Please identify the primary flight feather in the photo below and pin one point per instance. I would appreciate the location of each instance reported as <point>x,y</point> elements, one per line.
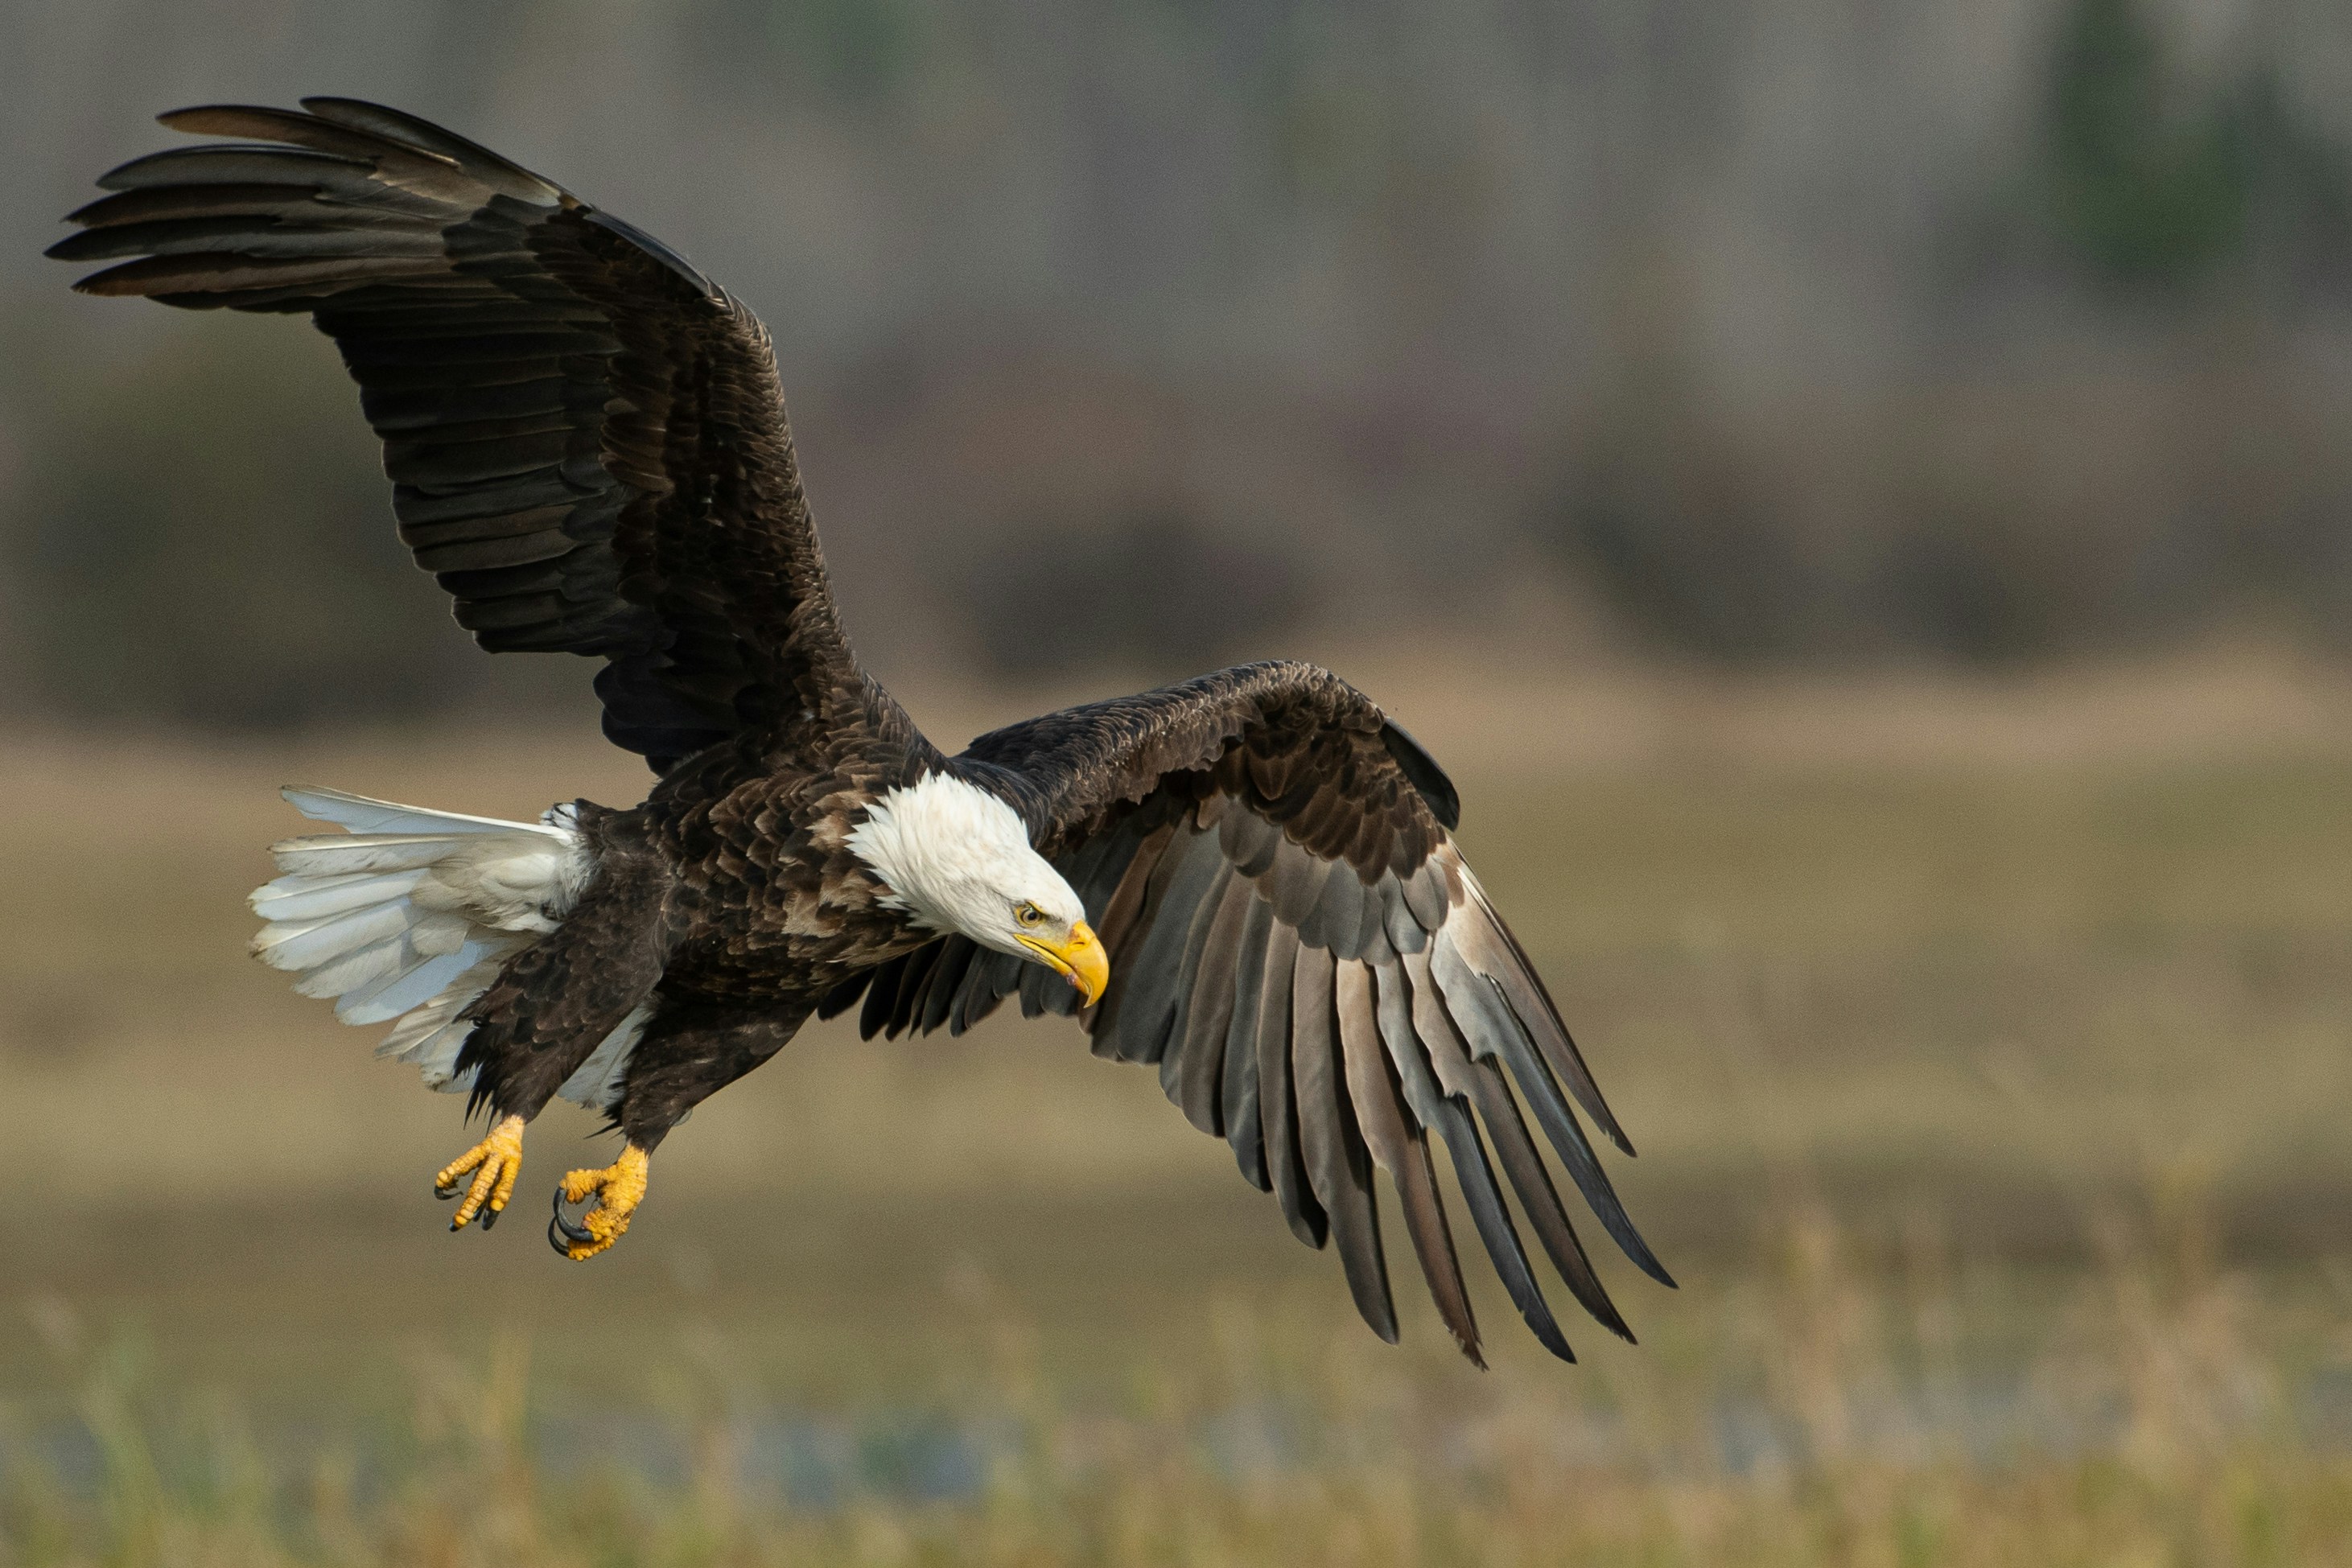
<point>1248,879</point>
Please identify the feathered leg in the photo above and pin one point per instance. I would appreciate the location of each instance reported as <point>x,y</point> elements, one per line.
<point>688,1053</point>
<point>553,1006</point>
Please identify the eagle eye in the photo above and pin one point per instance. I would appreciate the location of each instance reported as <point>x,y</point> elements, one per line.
<point>1028,914</point>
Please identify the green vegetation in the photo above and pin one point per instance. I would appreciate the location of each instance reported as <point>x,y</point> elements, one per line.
<point>2149,190</point>
<point>1811,1415</point>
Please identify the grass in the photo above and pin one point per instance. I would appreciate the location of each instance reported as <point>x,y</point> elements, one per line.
<point>1990,1107</point>
<point>1813,1411</point>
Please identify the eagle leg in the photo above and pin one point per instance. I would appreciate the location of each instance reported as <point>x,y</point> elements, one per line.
<point>618,1188</point>
<point>496,1160</point>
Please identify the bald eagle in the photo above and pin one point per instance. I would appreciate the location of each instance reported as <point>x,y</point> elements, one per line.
<point>1247,880</point>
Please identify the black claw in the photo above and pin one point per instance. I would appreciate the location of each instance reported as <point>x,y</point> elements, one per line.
<point>555,1239</point>
<point>490,1217</point>
<point>446,1193</point>
<point>572,1233</point>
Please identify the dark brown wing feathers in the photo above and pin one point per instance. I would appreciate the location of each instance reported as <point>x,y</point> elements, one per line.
<point>586,436</point>
<point>1332,1149</point>
<point>1242,1131</point>
<point>1200,1081</point>
<point>1285,1163</point>
<point>1298,944</point>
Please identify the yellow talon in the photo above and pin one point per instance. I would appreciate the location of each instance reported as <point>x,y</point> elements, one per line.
<point>496,1160</point>
<point>618,1188</point>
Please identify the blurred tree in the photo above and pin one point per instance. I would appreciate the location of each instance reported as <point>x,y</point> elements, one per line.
<point>2133,504</point>
<point>856,49</point>
<point>1665,516</point>
<point>1150,588</point>
<point>206,537</point>
<point>2148,185</point>
<point>2142,193</point>
<point>1675,519</point>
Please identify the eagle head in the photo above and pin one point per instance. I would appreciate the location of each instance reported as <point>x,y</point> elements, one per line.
<point>954,857</point>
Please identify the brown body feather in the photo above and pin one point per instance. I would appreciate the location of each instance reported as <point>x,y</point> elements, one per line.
<point>589,450</point>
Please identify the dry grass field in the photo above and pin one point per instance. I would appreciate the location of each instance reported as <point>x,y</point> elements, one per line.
<point>1986,1047</point>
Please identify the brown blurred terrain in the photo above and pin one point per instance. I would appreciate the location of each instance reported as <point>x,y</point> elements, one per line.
<point>2022,1003</point>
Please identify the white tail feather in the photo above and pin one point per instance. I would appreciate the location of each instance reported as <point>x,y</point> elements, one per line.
<point>360,814</point>
<point>306,945</point>
<point>410,914</point>
<point>349,971</point>
<point>341,855</point>
<point>314,898</point>
<point>396,994</point>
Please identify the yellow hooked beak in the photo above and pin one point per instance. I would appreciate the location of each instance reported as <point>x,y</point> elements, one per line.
<point>1080,960</point>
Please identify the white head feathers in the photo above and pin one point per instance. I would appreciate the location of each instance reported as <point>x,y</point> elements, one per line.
<point>957,858</point>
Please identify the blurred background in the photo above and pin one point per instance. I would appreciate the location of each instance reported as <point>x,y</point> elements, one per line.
<point>1857,493</point>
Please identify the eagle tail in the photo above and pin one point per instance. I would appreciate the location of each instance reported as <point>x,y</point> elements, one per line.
<point>410,914</point>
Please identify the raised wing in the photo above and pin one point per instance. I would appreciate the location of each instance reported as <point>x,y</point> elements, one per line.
<point>1298,944</point>
<point>585,437</point>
